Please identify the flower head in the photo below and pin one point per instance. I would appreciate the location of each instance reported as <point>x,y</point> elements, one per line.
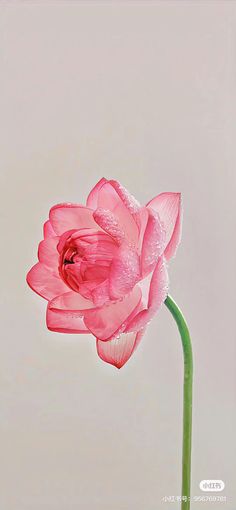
<point>102,267</point>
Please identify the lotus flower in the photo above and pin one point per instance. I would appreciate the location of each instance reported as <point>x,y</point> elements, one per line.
<point>102,267</point>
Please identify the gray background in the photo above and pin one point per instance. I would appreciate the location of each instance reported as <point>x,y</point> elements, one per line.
<point>143,92</point>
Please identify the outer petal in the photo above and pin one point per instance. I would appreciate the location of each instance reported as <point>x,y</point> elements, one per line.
<point>129,200</point>
<point>143,219</point>
<point>45,282</point>
<point>157,294</point>
<point>47,252</point>
<point>138,212</point>
<point>111,319</point>
<point>97,199</point>
<point>48,230</point>
<point>124,272</point>
<point>92,200</point>
<point>119,350</point>
<point>65,217</point>
<point>108,222</point>
<point>168,206</point>
<point>107,198</point>
<point>62,323</point>
<point>71,304</point>
<point>153,242</point>
<point>172,246</point>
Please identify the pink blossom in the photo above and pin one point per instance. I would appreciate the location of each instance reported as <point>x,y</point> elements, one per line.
<point>102,267</point>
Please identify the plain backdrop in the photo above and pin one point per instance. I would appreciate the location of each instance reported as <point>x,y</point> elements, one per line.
<point>142,92</point>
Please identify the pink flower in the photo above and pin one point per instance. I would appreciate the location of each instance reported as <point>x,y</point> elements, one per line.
<point>102,267</point>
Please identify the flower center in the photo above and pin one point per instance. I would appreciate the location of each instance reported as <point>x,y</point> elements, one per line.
<point>85,259</point>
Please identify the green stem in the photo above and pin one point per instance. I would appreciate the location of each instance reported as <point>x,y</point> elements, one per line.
<point>187,400</point>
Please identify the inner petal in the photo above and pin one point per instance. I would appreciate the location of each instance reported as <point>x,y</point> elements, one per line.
<point>85,259</point>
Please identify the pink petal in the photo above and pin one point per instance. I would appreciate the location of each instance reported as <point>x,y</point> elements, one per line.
<point>45,282</point>
<point>47,252</point>
<point>157,294</point>
<point>101,252</point>
<point>143,219</point>
<point>172,246</point>
<point>92,199</point>
<point>100,294</point>
<point>71,304</point>
<point>107,198</point>
<point>124,272</point>
<point>129,200</point>
<point>130,203</point>
<point>112,318</point>
<point>62,323</point>
<point>65,217</point>
<point>48,230</point>
<point>168,206</point>
<point>108,222</point>
<point>86,289</point>
<point>63,238</point>
<point>119,350</point>
<point>153,242</point>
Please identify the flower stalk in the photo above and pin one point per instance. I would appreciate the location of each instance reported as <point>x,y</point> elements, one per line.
<point>187,400</point>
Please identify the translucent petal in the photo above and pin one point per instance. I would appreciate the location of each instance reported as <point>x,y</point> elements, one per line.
<point>118,351</point>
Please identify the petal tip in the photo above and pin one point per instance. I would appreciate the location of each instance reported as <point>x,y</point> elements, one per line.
<point>178,195</point>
